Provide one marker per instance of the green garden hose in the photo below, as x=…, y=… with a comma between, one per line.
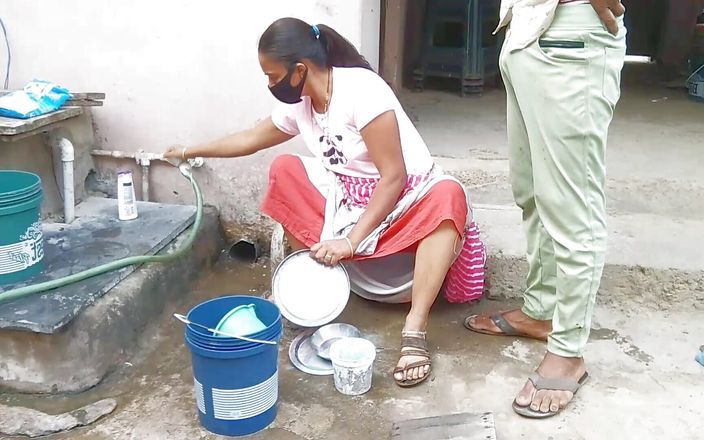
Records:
x=185, y=169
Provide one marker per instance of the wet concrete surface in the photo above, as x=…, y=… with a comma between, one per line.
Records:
x=95, y=238
x=104, y=334
x=644, y=382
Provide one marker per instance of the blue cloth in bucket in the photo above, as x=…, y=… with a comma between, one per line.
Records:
x=236, y=384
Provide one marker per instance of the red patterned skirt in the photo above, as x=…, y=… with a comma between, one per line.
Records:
x=294, y=202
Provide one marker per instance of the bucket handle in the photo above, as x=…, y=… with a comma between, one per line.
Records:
x=185, y=320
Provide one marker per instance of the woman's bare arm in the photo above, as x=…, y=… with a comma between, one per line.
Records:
x=383, y=142
x=262, y=136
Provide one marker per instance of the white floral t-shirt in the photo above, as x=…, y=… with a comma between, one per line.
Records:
x=359, y=96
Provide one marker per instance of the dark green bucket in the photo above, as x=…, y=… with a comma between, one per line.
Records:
x=21, y=242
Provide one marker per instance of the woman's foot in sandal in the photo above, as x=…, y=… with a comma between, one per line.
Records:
x=414, y=365
x=511, y=323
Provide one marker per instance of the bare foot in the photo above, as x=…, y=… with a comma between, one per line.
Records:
x=524, y=324
x=552, y=367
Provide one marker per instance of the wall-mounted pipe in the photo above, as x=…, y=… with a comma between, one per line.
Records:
x=145, y=181
x=144, y=160
x=67, y=157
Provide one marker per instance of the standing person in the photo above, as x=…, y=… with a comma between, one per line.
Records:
x=561, y=64
x=370, y=188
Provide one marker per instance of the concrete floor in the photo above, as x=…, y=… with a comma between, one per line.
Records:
x=644, y=382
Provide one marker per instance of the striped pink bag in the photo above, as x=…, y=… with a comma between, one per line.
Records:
x=465, y=279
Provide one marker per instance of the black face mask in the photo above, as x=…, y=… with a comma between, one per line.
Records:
x=285, y=92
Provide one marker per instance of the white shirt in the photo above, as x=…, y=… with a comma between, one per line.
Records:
x=359, y=96
x=529, y=20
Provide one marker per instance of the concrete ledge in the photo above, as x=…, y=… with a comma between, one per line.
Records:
x=103, y=336
x=96, y=237
x=650, y=261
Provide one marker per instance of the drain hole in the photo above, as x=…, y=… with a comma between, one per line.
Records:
x=244, y=250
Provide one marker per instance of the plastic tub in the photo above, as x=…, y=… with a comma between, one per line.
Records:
x=388, y=279
x=353, y=361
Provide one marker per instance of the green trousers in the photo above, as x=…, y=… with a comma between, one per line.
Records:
x=561, y=94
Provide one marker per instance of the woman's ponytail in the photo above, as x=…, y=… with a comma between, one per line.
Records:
x=290, y=40
x=340, y=52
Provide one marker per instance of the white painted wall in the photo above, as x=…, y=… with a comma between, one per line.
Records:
x=175, y=71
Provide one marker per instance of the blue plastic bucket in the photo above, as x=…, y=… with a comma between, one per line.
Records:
x=236, y=384
x=210, y=312
x=228, y=344
x=21, y=240
x=203, y=314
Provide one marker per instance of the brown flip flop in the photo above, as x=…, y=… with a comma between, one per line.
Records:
x=542, y=383
x=503, y=325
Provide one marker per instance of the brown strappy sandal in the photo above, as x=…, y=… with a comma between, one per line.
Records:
x=415, y=344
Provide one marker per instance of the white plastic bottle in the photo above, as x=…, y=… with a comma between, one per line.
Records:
x=126, y=201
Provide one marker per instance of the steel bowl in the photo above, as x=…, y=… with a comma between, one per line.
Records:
x=324, y=337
